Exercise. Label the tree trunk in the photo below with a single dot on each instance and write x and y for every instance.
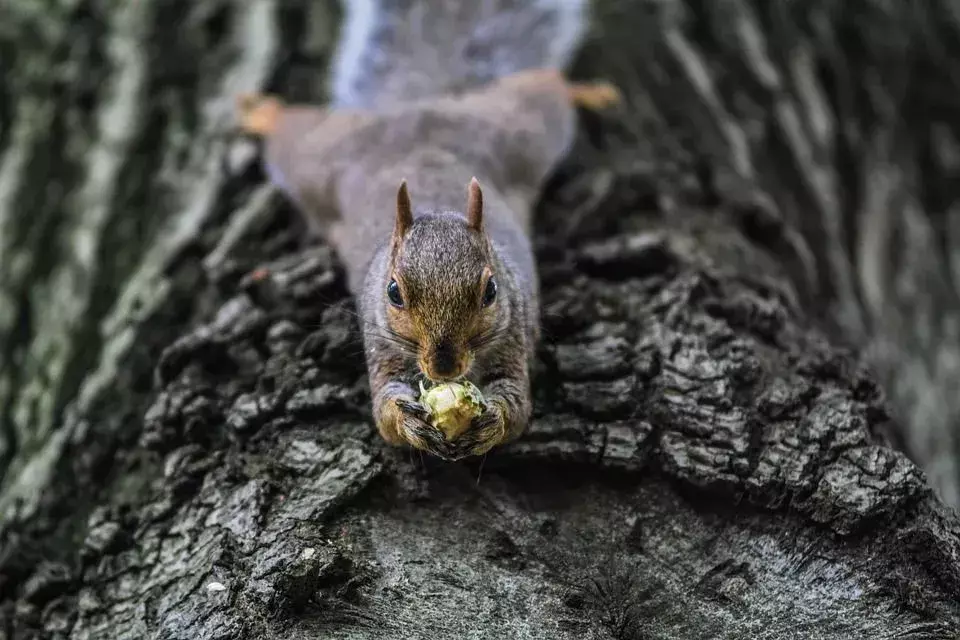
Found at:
(185, 443)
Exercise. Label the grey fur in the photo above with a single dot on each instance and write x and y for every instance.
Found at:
(422, 100)
(398, 50)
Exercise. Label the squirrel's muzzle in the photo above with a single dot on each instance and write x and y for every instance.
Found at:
(445, 362)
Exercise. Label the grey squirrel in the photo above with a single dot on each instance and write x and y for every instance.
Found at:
(430, 100)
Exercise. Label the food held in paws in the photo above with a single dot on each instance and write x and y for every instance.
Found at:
(452, 406)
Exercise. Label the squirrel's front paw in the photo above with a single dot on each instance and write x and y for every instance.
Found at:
(484, 433)
(413, 426)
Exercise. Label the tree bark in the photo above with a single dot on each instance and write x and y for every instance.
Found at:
(730, 270)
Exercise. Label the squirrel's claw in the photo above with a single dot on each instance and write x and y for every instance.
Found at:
(484, 433)
(415, 428)
(413, 408)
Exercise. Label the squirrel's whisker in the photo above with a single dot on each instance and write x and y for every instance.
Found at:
(382, 332)
(403, 345)
(488, 337)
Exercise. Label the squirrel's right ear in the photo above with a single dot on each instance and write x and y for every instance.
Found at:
(404, 211)
(475, 206)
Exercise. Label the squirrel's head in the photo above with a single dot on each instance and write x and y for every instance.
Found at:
(441, 290)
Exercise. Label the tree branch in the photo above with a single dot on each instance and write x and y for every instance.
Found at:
(705, 460)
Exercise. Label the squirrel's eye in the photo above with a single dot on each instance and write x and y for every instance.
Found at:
(490, 293)
(393, 294)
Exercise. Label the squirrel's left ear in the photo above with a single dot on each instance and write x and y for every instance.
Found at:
(404, 211)
(475, 206)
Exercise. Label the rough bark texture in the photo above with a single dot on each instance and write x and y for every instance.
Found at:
(184, 433)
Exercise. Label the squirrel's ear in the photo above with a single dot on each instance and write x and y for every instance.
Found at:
(404, 211)
(475, 206)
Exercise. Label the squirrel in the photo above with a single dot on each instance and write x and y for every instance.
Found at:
(445, 120)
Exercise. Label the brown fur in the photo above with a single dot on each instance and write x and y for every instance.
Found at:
(344, 168)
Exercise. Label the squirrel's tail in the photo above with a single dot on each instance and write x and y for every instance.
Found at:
(395, 50)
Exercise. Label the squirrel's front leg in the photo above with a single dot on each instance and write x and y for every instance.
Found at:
(507, 416)
(402, 420)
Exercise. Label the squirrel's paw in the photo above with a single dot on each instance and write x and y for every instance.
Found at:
(484, 433)
(594, 96)
(414, 427)
(258, 113)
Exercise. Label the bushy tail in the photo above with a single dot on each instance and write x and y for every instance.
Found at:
(394, 50)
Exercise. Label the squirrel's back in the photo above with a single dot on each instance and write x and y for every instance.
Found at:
(399, 50)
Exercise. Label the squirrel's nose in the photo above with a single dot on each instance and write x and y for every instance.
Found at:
(443, 362)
